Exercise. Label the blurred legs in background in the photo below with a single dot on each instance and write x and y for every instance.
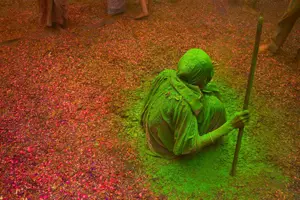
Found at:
(145, 12)
(54, 12)
(115, 7)
(284, 27)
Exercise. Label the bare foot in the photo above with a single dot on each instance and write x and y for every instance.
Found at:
(263, 48)
(141, 16)
(270, 48)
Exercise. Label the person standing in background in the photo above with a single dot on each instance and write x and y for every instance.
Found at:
(54, 13)
(284, 27)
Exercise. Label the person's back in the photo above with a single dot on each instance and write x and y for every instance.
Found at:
(161, 112)
(182, 113)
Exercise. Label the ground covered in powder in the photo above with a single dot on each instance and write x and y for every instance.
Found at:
(206, 174)
(70, 103)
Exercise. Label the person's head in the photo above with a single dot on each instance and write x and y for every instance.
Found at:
(195, 67)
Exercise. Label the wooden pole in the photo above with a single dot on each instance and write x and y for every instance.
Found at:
(248, 91)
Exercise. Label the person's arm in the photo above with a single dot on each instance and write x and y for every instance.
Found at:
(211, 137)
(186, 136)
(239, 120)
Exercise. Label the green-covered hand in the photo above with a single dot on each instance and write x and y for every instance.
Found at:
(240, 119)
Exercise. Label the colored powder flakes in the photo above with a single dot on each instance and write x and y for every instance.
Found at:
(206, 175)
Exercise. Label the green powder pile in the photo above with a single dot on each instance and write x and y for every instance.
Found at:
(206, 174)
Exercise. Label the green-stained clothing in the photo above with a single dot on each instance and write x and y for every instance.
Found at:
(176, 113)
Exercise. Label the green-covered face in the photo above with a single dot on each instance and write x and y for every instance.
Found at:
(195, 67)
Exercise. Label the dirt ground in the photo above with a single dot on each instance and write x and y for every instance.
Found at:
(70, 103)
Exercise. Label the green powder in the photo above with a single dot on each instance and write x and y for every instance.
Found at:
(206, 175)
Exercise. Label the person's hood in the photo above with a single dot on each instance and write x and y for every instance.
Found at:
(195, 66)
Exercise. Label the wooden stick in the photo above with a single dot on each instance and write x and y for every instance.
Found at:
(247, 96)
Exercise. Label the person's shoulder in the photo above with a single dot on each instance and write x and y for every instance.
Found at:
(167, 73)
(175, 99)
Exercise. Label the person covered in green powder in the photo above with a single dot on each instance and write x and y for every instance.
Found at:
(183, 112)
